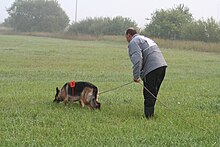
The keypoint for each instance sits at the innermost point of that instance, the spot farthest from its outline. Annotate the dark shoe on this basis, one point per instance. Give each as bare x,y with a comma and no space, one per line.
149,112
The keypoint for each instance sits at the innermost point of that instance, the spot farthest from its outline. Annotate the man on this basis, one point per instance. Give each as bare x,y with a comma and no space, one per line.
148,64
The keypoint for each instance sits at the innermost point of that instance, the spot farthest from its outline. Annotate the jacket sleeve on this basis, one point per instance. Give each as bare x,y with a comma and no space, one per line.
136,58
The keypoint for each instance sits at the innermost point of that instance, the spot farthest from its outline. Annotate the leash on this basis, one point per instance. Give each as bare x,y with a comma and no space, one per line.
175,113
115,88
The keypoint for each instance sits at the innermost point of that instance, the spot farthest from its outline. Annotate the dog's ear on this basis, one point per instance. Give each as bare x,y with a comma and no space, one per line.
57,91
56,96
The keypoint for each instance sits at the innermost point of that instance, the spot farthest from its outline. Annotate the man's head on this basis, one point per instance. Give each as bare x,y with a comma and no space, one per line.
129,33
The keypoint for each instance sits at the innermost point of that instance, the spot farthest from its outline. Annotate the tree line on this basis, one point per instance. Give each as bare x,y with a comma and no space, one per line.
47,16
178,23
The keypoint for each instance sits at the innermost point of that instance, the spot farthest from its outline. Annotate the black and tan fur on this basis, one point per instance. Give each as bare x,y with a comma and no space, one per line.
84,92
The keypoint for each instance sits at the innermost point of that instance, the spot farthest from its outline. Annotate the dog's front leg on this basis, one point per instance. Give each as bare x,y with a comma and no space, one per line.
65,100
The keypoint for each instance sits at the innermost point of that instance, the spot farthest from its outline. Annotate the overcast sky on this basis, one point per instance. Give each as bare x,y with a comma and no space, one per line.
137,10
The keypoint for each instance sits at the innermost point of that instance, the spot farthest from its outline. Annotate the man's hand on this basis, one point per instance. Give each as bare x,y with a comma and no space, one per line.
137,80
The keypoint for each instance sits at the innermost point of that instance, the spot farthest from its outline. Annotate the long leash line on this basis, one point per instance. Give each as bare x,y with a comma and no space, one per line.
175,113
115,88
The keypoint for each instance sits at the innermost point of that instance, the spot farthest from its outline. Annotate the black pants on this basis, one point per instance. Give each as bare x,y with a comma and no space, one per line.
152,82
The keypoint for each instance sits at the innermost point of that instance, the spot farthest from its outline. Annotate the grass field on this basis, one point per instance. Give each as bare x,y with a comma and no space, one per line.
187,111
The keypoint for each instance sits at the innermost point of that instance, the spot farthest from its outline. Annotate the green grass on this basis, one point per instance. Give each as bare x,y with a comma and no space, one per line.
32,67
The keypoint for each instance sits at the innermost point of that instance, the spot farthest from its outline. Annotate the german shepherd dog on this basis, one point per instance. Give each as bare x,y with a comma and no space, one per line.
84,92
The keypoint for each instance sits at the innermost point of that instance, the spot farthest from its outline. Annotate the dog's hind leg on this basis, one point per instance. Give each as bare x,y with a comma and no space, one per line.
85,96
82,98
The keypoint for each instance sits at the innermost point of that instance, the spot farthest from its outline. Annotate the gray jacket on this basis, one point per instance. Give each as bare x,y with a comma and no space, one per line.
145,56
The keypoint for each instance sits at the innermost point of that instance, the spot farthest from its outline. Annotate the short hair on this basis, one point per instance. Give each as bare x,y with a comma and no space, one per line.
131,31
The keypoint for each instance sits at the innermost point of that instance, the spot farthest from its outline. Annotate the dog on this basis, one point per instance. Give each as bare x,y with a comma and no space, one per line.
84,92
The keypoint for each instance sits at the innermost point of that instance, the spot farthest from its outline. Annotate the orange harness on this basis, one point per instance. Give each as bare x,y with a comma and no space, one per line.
72,85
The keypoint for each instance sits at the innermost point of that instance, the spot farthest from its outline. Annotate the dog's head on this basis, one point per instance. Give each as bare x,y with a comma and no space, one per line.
58,97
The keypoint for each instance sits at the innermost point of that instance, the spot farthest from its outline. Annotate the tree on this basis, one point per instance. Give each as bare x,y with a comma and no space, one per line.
37,15
118,25
90,26
102,26
194,31
201,30
178,23
213,30
168,23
